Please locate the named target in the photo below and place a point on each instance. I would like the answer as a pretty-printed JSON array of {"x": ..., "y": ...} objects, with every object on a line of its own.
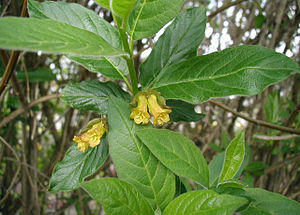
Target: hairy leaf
[
  {"x": 118, "y": 197},
  {"x": 112, "y": 67},
  {"x": 149, "y": 16},
  {"x": 81, "y": 17},
  {"x": 122, "y": 7},
  {"x": 204, "y": 202},
  {"x": 183, "y": 111},
  {"x": 232, "y": 183},
  {"x": 215, "y": 168},
  {"x": 234, "y": 157},
  {"x": 103, "y": 3},
  {"x": 53, "y": 37},
  {"x": 91, "y": 95},
  {"x": 267, "y": 203},
  {"x": 241, "y": 70},
  {"x": 177, "y": 153},
  {"x": 76, "y": 166},
  {"x": 180, "y": 41},
  {"x": 134, "y": 162}
]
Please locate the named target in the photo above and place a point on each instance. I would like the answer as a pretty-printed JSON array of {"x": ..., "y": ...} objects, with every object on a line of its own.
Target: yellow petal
[
  {"x": 91, "y": 137},
  {"x": 161, "y": 115},
  {"x": 140, "y": 114},
  {"x": 81, "y": 145}
]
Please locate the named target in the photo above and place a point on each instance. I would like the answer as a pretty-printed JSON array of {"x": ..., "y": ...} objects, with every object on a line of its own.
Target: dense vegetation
[{"x": 95, "y": 93}]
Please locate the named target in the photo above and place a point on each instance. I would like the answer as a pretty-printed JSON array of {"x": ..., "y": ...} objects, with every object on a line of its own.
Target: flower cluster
[
  {"x": 91, "y": 136},
  {"x": 152, "y": 101}
]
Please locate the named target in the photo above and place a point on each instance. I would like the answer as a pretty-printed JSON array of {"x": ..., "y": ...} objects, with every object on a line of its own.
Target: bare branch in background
[{"x": 255, "y": 121}]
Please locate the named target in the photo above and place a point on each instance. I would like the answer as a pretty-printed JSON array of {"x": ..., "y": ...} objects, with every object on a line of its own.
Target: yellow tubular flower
[
  {"x": 161, "y": 115},
  {"x": 140, "y": 114},
  {"x": 91, "y": 137},
  {"x": 82, "y": 146}
]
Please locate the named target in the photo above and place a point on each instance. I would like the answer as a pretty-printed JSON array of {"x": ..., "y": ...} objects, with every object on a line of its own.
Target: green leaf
[
  {"x": 103, "y": 3},
  {"x": 133, "y": 161},
  {"x": 182, "y": 186},
  {"x": 259, "y": 20},
  {"x": 180, "y": 41},
  {"x": 234, "y": 157},
  {"x": 112, "y": 67},
  {"x": 76, "y": 166},
  {"x": 177, "y": 153},
  {"x": 77, "y": 16},
  {"x": 37, "y": 75},
  {"x": 118, "y": 197},
  {"x": 272, "y": 107},
  {"x": 232, "y": 183},
  {"x": 215, "y": 168},
  {"x": 267, "y": 203},
  {"x": 256, "y": 168},
  {"x": 12, "y": 102},
  {"x": 91, "y": 95},
  {"x": 204, "y": 202},
  {"x": 54, "y": 37},
  {"x": 149, "y": 16},
  {"x": 242, "y": 70},
  {"x": 122, "y": 8},
  {"x": 183, "y": 111},
  {"x": 81, "y": 17}
]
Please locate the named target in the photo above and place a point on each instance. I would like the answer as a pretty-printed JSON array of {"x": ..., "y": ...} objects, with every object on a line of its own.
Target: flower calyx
[
  {"x": 153, "y": 102},
  {"x": 91, "y": 135}
]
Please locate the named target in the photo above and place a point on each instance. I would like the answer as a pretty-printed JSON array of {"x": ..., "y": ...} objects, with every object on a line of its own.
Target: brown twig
[
  {"x": 13, "y": 60},
  {"x": 286, "y": 137},
  {"x": 16, "y": 173},
  {"x": 5, "y": 8},
  {"x": 279, "y": 165},
  {"x": 27, "y": 165},
  {"x": 22, "y": 110},
  {"x": 65, "y": 139},
  {"x": 15, "y": 84},
  {"x": 295, "y": 195},
  {"x": 293, "y": 115},
  {"x": 255, "y": 121},
  {"x": 224, "y": 7}
]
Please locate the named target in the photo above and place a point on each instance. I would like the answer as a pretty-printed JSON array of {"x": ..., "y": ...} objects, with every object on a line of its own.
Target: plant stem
[{"x": 129, "y": 61}]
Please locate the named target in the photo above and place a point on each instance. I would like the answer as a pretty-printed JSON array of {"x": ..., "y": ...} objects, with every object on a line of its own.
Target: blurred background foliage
[{"x": 36, "y": 128}]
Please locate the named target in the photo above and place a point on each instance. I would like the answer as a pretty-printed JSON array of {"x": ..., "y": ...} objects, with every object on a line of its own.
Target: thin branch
[
  {"x": 5, "y": 9},
  {"x": 16, "y": 173},
  {"x": 293, "y": 115},
  {"x": 224, "y": 7},
  {"x": 46, "y": 110},
  {"x": 286, "y": 137},
  {"x": 255, "y": 121},
  {"x": 13, "y": 60},
  {"x": 295, "y": 195},
  {"x": 15, "y": 85},
  {"x": 141, "y": 51},
  {"x": 27, "y": 165},
  {"x": 22, "y": 110},
  {"x": 284, "y": 163}
]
